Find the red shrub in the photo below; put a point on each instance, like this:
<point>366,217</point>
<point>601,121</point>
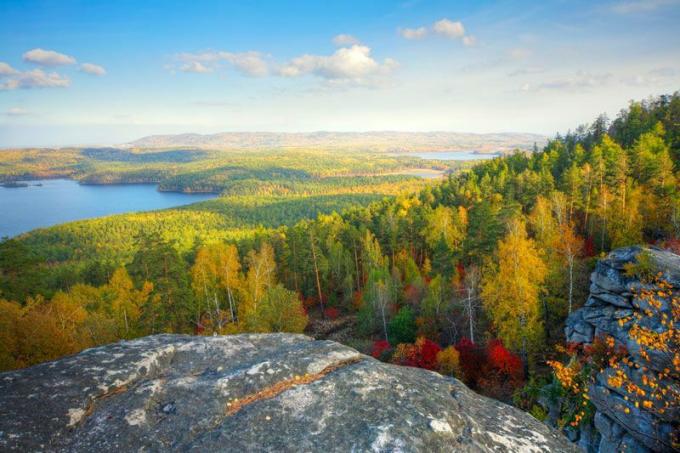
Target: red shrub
<point>460,270</point>
<point>421,354</point>
<point>471,361</point>
<point>332,313</point>
<point>589,247</point>
<point>503,360</point>
<point>672,245</point>
<point>380,347</point>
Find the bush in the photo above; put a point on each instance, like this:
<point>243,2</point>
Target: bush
<point>331,313</point>
<point>448,362</point>
<point>504,361</point>
<point>471,361</point>
<point>402,328</point>
<point>381,350</point>
<point>421,354</point>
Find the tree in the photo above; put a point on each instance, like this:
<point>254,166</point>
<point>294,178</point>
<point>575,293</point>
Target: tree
<point>569,247</point>
<point>127,302</point>
<point>511,289</point>
<point>261,276</point>
<point>171,306</point>
<point>448,362</point>
<point>471,288</point>
<point>216,275</point>
<point>377,299</point>
<point>402,328</point>
<point>280,310</point>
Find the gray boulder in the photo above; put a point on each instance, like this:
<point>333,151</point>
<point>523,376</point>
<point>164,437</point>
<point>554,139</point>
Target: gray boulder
<point>275,392</point>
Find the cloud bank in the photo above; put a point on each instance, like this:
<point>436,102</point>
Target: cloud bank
<point>351,63</point>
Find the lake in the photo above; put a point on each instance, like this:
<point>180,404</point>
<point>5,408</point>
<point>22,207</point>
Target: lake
<point>449,155</point>
<point>61,200</point>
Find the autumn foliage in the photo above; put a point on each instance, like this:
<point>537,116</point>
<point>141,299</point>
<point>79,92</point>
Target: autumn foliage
<point>380,348</point>
<point>421,354</point>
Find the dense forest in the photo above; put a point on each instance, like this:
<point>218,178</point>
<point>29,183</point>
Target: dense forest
<point>232,172</point>
<point>473,276</point>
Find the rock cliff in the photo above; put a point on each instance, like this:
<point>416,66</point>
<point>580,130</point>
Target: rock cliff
<point>276,392</point>
<point>614,298</point>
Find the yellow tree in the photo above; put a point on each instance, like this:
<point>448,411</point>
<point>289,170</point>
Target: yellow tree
<point>447,224</point>
<point>127,302</point>
<point>511,289</point>
<point>280,310</point>
<point>10,314</point>
<point>215,276</point>
<point>229,272</point>
<point>260,277</point>
<point>569,247</point>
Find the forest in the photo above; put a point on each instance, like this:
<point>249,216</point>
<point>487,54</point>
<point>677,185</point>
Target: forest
<point>472,276</point>
<point>240,172</point>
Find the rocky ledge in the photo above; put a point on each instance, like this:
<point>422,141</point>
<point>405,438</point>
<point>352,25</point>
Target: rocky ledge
<point>275,392</point>
<point>622,424</point>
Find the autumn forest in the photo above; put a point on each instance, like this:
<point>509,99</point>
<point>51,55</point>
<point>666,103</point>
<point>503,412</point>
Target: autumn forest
<point>472,275</point>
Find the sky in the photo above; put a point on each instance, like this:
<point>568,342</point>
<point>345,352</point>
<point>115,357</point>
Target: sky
<point>107,72</point>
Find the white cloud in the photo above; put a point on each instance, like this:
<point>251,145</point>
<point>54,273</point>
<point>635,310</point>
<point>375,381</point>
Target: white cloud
<point>527,71</point>
<point>48,58</point>
<point>17,111</point>
<point>654,77</point>
<point>353,63</point>
<point>443,27</point>
<point>249,63</point>
<point>579,82</point>
<point>449,28</point>
<point>469,41</point>
<point>195,66</point>
<point>345,40</point>
<point>641,6</point>
<point>36,78</point>
<point>7,70</point>
<point>93,69</point>
<point>519,53</point>
<point>413,33</point>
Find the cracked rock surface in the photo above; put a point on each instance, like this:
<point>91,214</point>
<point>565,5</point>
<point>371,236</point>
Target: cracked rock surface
<point>623,425</point>
<point>268,392</point>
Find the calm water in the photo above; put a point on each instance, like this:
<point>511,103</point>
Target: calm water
<point>61,200</point>
<point>451,155</point>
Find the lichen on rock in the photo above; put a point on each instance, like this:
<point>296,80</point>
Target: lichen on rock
<point>269,392</point>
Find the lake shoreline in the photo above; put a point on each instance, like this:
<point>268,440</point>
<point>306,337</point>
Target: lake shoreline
<point>48,202</point>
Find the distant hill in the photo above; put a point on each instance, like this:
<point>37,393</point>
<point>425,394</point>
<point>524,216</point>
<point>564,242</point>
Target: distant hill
<point>377,141</point>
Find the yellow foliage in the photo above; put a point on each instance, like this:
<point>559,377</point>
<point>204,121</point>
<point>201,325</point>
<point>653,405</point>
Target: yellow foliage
<point>448,361</point>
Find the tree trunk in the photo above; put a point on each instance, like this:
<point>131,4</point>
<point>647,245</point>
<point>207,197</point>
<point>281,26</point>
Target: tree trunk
<point>316,273</point>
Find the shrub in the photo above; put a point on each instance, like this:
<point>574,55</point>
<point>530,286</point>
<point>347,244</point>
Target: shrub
<point>331,313</point>
<point>504,361</point>
<point>448,361</point>
<point>402,328</point>
<point>471,361</point>
<point>421,354</point>
<point>381,349</point>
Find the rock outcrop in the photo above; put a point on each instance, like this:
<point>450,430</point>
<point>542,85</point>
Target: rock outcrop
<point>623,425</point>
<point>276,392</point>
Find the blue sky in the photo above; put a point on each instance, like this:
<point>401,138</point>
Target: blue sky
<point>106,72</point>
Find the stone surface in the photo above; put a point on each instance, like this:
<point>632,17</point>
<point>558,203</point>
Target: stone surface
<point>624,427</point>
<point>276,392</point>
